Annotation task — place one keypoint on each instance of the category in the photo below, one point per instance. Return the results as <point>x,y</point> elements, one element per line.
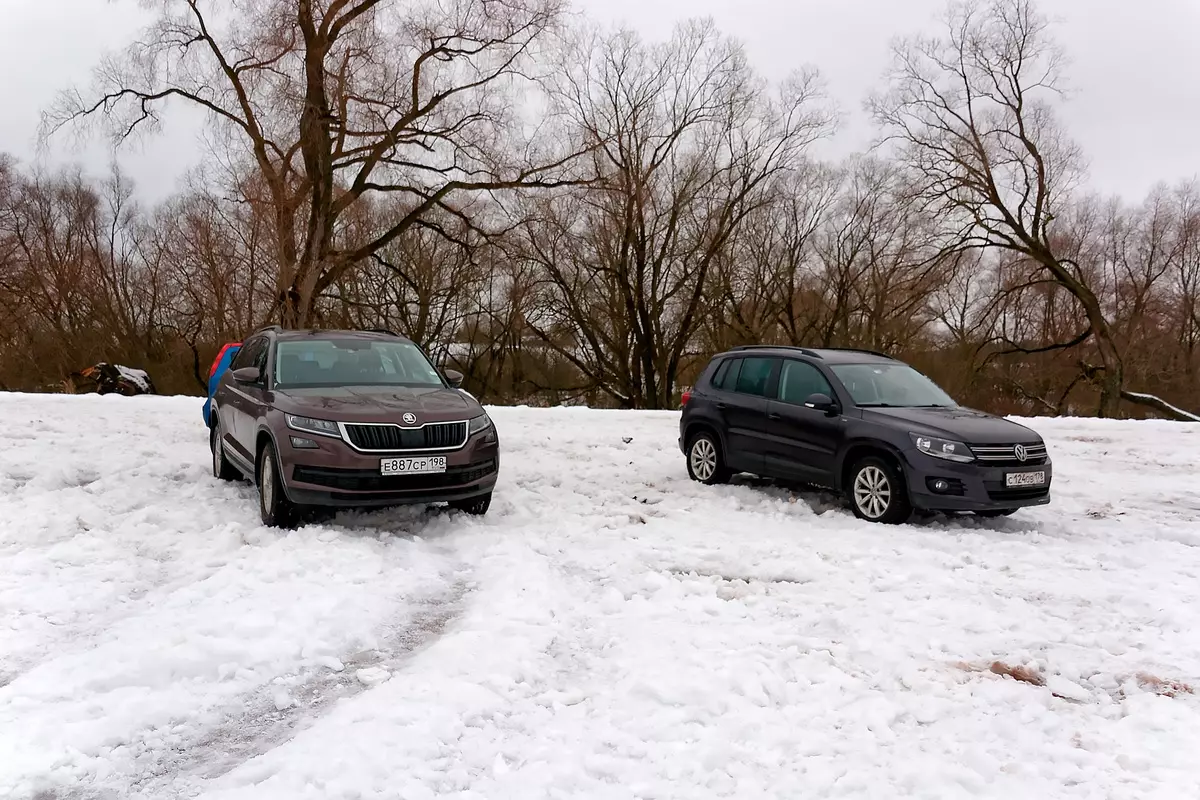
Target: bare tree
<point>334,104</point>
<point>972,112</point>
<point>689,142</point>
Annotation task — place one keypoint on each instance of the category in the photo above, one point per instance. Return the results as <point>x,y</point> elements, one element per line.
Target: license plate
<point>1025,479</point>
<point>412,466</point>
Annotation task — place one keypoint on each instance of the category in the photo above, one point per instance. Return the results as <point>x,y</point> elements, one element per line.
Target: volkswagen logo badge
<point>1020,452</point>
<point>411,419</point>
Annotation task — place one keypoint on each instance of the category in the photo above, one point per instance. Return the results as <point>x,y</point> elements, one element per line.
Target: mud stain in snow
<point>279,712</point>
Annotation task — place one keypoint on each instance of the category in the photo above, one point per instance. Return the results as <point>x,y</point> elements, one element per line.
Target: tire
<point>705,461</point>
<point>877,492</point>
<point>222,467</point>
<point>997,512</point>
<point>273,504</point>
<point>475,506</point>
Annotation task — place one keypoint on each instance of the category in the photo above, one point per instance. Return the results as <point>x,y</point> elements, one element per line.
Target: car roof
<point>286,335</point>
<point>828,355</point>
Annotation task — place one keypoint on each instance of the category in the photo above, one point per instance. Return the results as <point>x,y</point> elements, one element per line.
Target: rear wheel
<point>705,461</point>
<point>276,509</point>
<point>475,506</point>
<point>877,492</point>
<point>221,466</point>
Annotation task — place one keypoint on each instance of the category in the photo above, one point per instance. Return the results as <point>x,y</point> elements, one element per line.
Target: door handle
<point>722,406</point>
<point>774,416</point>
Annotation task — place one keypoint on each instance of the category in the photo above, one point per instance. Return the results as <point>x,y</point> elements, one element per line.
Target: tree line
<point>567,214</point>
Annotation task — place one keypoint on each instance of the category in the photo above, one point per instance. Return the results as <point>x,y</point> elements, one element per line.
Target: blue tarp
<point>222,364</point>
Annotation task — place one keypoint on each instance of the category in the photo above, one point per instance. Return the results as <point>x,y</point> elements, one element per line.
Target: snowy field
<point>610,630</point>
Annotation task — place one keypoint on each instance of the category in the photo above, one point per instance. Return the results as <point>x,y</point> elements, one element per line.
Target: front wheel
<point>276,509</point>
<point>705,462</point>
<point>877,492</point>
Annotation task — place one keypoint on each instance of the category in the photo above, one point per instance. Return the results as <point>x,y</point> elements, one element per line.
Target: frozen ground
<point>610,630</point>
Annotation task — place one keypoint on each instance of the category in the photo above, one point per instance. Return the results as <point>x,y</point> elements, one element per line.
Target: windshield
<point>352,362</point>
<point>890,386</point>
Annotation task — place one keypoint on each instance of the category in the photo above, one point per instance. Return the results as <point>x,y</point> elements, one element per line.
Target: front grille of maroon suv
<point>360,480</point>
<point>390,438</point>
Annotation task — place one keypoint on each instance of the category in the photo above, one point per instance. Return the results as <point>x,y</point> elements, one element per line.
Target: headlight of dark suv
<point>308,425</point>
<point>947,449</point>
<point>479,424</point>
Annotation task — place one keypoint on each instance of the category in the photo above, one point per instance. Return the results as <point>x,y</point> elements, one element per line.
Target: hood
<point>378,403</point>
<point>960,424</point>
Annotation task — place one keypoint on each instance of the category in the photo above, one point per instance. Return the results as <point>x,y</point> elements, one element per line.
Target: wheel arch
<point>695,427</point>
<point>859,449</point>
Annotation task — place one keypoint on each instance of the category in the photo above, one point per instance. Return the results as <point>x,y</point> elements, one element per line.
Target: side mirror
<point>821,402</point>
<point>247,375</point>
<point>453,377</point>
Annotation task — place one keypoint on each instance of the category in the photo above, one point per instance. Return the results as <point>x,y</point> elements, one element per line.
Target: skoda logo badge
<point>1020,452</point>
<point>411,419</point>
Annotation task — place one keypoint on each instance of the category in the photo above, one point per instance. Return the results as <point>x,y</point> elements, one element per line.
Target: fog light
<point>300,443</point>
<point>940,485</point>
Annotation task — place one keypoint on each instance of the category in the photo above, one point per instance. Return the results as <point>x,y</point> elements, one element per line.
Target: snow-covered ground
<point>610,630</point>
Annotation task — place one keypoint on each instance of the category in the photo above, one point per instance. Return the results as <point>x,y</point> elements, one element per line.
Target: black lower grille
<point>385,438</point>
<point>1021,493</point>
<point>361,480</point>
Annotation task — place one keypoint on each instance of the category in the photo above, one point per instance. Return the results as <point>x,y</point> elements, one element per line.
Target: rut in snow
<point>274,715</point>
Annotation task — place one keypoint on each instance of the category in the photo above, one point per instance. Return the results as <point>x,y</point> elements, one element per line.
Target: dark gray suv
<point>860,423</point>
<point>351,419</point>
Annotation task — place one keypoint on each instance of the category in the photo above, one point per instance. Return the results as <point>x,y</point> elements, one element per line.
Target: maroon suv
<point>349,419</point>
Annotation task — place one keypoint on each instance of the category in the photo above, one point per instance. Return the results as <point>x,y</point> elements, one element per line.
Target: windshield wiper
<point>876,405</point>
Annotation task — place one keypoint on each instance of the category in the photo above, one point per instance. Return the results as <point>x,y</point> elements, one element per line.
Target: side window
<point>260,355</point>
<point>727,377</point>
<point>798,380</point>
<point>247,356</point>
<point>718,379</point>
<point>754,376</point>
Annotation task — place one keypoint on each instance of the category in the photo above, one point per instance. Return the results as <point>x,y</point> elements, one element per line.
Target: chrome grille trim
<point>369,435</point>
<point>1034,453</point>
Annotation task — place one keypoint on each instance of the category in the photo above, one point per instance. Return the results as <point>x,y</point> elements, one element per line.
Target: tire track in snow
<point>275,714</point>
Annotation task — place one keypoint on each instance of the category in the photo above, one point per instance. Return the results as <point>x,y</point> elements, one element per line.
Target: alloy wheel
<point>218,449</point>
<point>266,484</point>
<point>872,492</point>
<point>704,458</point>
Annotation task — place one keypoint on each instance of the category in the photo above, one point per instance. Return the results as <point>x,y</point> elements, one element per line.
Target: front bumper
<point>973,486</point>
<point>336,475</point>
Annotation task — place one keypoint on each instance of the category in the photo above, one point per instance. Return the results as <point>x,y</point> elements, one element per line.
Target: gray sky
<point>1134,75</point>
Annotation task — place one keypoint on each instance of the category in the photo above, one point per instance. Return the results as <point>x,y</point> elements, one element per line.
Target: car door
<point>239,402</point>
<point>802,442</point>
<point>741,402</point>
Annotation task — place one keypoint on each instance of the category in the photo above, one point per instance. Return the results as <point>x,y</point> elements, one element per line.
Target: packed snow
<point>609,630</point>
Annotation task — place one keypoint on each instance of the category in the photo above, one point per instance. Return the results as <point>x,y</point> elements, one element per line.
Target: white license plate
<point>412,466</point>
<point>1025,479</point>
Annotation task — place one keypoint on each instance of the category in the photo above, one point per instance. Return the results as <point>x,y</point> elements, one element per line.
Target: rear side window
<point>798,380</point>
<point>754,376</point>
<point>718,378</point>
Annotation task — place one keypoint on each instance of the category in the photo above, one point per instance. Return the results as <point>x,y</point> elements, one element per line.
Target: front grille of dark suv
<point>359,480</point>
<point>390,438</point>
<point>1005,455</point>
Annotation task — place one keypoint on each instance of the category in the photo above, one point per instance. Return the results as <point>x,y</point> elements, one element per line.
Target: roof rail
<point>812,352</point>
<point>267,328</point>
<point>806,351</point>
<point>860,350</point>
<point>383,330</point>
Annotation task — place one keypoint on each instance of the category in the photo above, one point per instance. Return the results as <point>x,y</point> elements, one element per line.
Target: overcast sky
<point>1134,73</point>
